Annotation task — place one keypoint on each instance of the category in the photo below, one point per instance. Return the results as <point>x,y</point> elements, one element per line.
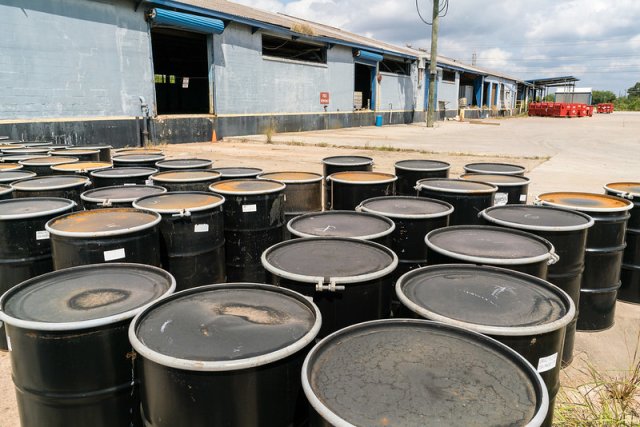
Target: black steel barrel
<point>350,280</point>
<point>25,251</point>
<point>191,236</point>
<point>178,164</point>
<point>186,179</point>
<point>630,271</point>
<point>253,221</point>
<point>238,173</point>
<point>7,167</point>
<point>414,217</point>
<point>64,186</point>
<point>225,355</point>
<point>496,246</point>
<point>468,198</point>
<point>42,165</point>
<point>495,168</point>
<point>7,177</point>
<point>603,255</point>
<point>136,160</point>
<point>5,192</point>
<point>406,372</point>
<point>349,189</point>
<point>83,155</point>
<point>122,176</point>
<point>409,172</point>
<point>105,151</point>
<point>79,168</point>
<point>567,231</point>
<point>333,164</point>
<point>526,313</point>
<point>512,189</point>
<point>121,196</point>
<point>105,235</point>
<point>72,362</point>
<point>356,225</point>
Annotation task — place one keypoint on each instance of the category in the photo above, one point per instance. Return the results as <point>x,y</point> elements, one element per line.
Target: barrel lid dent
<point>102,222</point>
<point>180,201</point>
<point>358,225</point>
<point>585,202</point>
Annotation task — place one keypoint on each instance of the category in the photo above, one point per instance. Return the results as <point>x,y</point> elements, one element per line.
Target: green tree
<point>634,92</point>
<point>549,98</point>
<point>600,96</point>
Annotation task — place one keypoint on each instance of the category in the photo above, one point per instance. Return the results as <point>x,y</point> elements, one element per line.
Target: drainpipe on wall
<point>391,114</point>
<point>145,121</point>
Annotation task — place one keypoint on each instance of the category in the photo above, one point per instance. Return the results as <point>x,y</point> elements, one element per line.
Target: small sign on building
<point>324,98</point>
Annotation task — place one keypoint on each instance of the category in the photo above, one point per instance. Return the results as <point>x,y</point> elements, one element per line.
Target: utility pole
<point>433,71</point>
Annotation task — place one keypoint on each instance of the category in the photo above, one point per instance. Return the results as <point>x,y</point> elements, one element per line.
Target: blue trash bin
<point>379,120</point>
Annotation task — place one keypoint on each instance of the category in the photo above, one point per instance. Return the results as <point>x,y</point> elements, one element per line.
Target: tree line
<point>630,102</point>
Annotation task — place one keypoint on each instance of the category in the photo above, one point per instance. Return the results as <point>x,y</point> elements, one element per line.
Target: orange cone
<point>214,137</point>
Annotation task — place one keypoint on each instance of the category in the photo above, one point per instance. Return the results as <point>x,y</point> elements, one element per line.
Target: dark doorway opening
<point>181,68</point>
<point>362,87</point>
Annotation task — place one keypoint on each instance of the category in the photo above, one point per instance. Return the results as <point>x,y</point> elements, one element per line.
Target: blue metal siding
<point>186,21</point>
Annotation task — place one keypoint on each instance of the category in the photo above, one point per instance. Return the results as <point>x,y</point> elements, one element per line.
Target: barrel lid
<point>9,146</point>
<point>406,207</point>
<point>37,143</point>
<point>489,245</point>
<point>84,297</point>
<point>292,177</point>
<point>489,300</point>
<point>537,218</point>
<point>327,260</point>
<point>17,158</point>
<point>358,225</point>
<point>404,372</point>
<point>494,168</point>
<point>102,222</point>
<point>77,152</point>
<point>179,201</point>
<point>624,189</point>
<point>81,166</point>
<point>456,185</point>
<point>10,167</point>
<point>133,158</point>
<point>247,186</point>
<point>585,202</point>
<point>53,182</point>
<point>225,327</point>
<point>184,163</point>
<point>4,189</point>
<point>186,175</point>
<point>48,160</point>
<point>121,193</point>
<point>422,165</point>
<point>497,179</point>
<point>238,172</point>
<point>91,147</point>
<point>124,172</point>
<point>362,177</point>
<point>25,150</point>
<point>15,175</point>
<point>32,207</point>
<point>134,150</point>
<point>347,160</point>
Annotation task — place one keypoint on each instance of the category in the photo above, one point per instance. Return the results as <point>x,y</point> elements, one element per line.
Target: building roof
<point>554,81</point>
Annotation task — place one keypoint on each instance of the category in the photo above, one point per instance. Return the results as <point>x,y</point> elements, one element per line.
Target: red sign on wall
<point>324,98</point>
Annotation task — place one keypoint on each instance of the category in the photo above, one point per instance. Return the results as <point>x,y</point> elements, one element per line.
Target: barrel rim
<point>203,162</point>
<point>179,210</point>
<point>25,150</point>
<point>629,205</point>
<point>16,167</point>
<point>318,177</point>
<point>106,165</point>
<point>61,152</point>
<point>281,187</point>
<point>469,168</point>
<point>630,195</point>
<point>486,215</point>
<point>70,205</point>
<point>365,161</point>
<point>158,175</point>
<point>423,184</point>
<point>80,181</point>
<point>337,421</point>
<point>255,172</point>
<point>298,233</point>
<point>88,198</point>
<point>323,279</point>
<point>143,158</point>
<point>445,165</point>
<point>524,180</point>
<point>64,159</point>
<point>362,208</point>
<point>484,260</point>
<point>5,189</point>
<point>488,329</point>
<point>97,173</point>
<point>390,178</point>
<point>90,147</point>
<point>225,365</point>
<point>84,324</point>
<point>110,233</point>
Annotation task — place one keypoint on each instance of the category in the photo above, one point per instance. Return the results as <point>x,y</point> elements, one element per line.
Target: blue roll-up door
<point>186,21</point>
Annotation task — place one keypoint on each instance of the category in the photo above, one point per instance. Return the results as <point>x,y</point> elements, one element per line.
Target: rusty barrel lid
<point>628,190</point>
<point>422,165</point>
<point>497,179</point>
<point>292,177</point>
<point>238,172</point>
<point>406,207</point>
<point>191,163</point>
<point>121,193</point>
<point>81,167</point>
<point>14,175</point>
<point>357,225</point>
<point>494,168</point>
<point>84,297</point>
<point>452,185</point>
<point>347,161</point>
<point>53,182</point>
<point>10,166</point>
<point>585,202</point>
<point>48,161</point>
<point>142,151</point>
<point>179,201</point>
<point>102,222</point>
<point>186,175</point>
<point>9,146</point>
<point>225,327</point>
<point>405,372</point>
<point>362,177</point>
<point>33,207</point>
<point>240,187</point>
<point>537,218</point>
<point>124,172</point>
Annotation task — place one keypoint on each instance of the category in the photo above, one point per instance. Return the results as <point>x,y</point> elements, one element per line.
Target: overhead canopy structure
<point>541,86</point>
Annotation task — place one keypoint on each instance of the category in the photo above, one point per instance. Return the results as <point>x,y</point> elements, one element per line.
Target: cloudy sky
<point>597,41</point>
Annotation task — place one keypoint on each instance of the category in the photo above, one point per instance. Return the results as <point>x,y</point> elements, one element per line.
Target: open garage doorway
<point>364,78</point>
<point>181,68</point>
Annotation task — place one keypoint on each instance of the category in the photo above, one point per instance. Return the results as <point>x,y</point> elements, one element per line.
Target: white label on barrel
<point>547,363</point>
<point>201,228</point>
<point>148,182</point>
<point>285,197</point>
<point>114,254</point>
<point>42,235</point>
<point>523,197</point>
<point>249,208</point>
<point>501,199</point>
<point>131,183</point>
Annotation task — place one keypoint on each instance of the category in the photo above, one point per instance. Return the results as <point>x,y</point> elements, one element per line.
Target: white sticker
<point>114,254</point>
<point>201,228</point>
<point>42,235</point>
<point>523,197</point>
<point>285,197</point>
<point>249,208</point>
<point>148,182</point>
<point>185,83</point>
<point>547,363</point>
<point>501,199</point>
<point>131,183</point>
